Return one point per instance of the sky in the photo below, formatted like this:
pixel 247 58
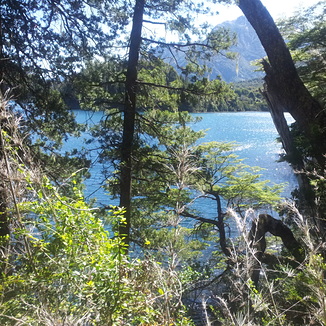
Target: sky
pixel 277 8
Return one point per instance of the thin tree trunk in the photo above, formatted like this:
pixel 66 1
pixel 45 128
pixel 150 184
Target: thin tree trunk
pixel 220 224
pixel 129 120
pixel 4 218
pixel 282 127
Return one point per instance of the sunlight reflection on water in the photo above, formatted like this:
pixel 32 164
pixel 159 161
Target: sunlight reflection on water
pixel 253 132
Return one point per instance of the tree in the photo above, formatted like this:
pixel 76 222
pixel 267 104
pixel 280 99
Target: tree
pixel 62 264
pixel 172 171
pixel 132 84
pixel 305 32
pixel 129 119
pixel 204 95
pixel 40 45
pixel 283 82
pixel 285 91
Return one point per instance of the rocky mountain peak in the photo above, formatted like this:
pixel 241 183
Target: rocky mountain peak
pixel 247 50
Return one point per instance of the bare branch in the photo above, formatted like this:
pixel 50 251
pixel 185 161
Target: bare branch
pixel 180 45
pixel 199 218
pixel 153 22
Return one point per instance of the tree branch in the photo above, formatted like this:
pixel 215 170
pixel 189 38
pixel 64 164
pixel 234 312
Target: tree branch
pixel 199 218
pixel 266 223
pixel 178 45
pixel 181 89
pixel 152 22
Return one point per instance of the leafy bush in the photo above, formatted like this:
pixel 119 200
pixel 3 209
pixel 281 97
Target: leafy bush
pixel 71 271
pixel 60 265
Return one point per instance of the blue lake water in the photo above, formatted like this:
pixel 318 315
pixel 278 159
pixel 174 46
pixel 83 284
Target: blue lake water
pixel 253 132
pixel 256 137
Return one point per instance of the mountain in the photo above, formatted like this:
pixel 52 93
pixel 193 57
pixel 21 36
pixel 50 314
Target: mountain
pixel 247 49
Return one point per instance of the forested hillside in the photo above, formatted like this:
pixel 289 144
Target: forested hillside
pixel 68 261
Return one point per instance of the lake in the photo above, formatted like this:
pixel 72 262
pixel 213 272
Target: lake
pixel 253 132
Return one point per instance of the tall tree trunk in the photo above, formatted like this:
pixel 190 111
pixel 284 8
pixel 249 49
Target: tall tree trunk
pixel 129 120
pixel 283 82
pixel 285 91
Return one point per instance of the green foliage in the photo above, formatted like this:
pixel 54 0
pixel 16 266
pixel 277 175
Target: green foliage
pixel 44 43
pixel 288 293
pixel 100 86
pixel 249 97
pixel 71 270
pixel 171 173
pixel 157 83
pixel 202 95
pixel 61 265
pixel 306 32
pixel 240 185
pixel 301 292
